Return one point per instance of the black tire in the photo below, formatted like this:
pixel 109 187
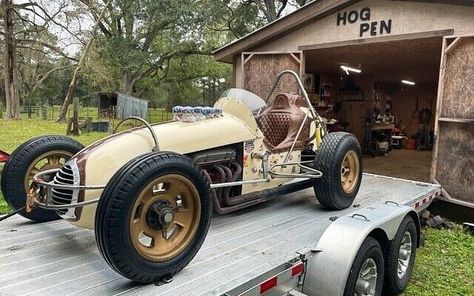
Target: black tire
pixel 394 284
pixel 370 248
pixel 15 171
pixel 329 159
pixel 112 228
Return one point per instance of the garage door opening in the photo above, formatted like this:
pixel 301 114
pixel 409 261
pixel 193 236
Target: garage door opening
pixel 390 105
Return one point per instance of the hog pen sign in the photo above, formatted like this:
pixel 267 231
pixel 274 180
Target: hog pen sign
pixel 367 27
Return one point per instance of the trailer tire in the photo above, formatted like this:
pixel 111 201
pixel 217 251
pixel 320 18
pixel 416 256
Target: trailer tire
pixel 340 160
pixel 24 161
pixel 153 216
pixel 369 254
pixel 397 277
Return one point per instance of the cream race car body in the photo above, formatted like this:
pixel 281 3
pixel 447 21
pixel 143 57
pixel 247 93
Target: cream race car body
pixel 101 160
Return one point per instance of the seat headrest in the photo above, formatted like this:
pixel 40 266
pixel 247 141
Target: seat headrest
pixel 286 100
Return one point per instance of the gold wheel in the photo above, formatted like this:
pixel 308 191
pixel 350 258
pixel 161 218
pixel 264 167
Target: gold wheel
pixel 165 217
pixel 350 171
pixel 50 160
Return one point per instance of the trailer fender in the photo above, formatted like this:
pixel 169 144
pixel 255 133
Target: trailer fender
pixel 328 269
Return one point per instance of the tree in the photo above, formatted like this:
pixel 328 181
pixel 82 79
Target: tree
pixel 274 9
pixel 24 25
pixel 139 37
pixel 9 63
pixel 72 85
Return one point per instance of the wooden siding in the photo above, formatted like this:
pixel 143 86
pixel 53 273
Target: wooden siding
pixel 260 71
pixel 459 81
pixel 453 157
pixel 455 167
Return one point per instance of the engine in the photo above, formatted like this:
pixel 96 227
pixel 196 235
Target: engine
pixel 221 165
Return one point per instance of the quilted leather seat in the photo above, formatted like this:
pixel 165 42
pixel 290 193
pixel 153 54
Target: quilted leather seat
pixel 280 123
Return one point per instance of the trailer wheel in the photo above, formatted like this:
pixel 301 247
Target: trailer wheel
pixel 367 271
pixel 153 216
pixel 401 257
pixel 36 155
pixel 340 160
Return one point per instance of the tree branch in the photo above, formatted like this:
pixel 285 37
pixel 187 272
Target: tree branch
pixel 51 47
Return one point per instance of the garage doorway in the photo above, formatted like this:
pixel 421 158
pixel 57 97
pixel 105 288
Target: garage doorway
pixel 357 85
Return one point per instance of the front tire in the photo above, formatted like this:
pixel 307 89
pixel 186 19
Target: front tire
pixel 367 271
pixel 36 155
pixel 153 216
pixel 401 257
pixel 340 160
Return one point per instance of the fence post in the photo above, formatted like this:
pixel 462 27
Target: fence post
pixel 44 112
pixel 73 125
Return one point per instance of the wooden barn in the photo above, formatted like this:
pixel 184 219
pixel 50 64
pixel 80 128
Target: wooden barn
pixel 118 105
pixel 398 74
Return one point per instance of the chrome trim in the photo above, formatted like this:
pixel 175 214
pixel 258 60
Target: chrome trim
pixel 313 173
pixel 44 191
pixel 37 179
pixel 150 128
pixel 229 184
pixel 61 198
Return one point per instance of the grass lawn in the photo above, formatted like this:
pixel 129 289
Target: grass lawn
pixel 445 266
pixel 15 132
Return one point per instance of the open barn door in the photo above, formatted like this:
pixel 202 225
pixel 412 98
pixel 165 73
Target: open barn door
pixel 453 155
pixel 259 69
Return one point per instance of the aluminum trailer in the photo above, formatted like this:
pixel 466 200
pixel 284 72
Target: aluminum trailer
pixel 286 246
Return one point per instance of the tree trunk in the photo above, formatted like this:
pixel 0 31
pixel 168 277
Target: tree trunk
pixel 127 83
pixel 9 67
pixel 72 85
pixel 271 10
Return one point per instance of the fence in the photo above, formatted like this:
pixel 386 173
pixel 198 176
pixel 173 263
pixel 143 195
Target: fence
pixel 154 115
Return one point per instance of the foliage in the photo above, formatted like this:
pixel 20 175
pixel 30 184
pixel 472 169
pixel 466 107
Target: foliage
pixel 159 50
pixel 444 266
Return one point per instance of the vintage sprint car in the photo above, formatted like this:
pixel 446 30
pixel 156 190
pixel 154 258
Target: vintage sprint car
pixel 149 192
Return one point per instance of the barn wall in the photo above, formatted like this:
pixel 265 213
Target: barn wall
pixel 261 70
pixel 455 144
pixel 130 106
pixel 407 17
pixel 459 81
pixel 405 101
pixel 352 113
pixel 237 71
pixel 455 168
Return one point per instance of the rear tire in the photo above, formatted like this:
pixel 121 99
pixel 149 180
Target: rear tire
pixel 340 160
pixel 368 262
pixel 153 216
pixel 33 156
pixel 403 247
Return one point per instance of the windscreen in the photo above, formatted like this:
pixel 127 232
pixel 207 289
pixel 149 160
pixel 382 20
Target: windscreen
pixel 254 102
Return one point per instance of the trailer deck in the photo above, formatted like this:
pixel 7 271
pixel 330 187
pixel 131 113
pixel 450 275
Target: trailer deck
pixel 57 258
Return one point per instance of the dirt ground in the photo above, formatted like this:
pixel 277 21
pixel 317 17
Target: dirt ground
pixel 408 164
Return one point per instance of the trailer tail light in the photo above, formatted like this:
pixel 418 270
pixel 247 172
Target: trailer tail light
pixel 268 284
pixel 3 156
pixel 424 200
pixel 297 269
pixel 279 280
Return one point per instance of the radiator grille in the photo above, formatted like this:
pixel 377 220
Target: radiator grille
pixel 63 196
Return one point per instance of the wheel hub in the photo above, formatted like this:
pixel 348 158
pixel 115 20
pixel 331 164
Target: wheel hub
pixel 159 214
pixel 367 280
pixel 404 255
pixel 350 171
